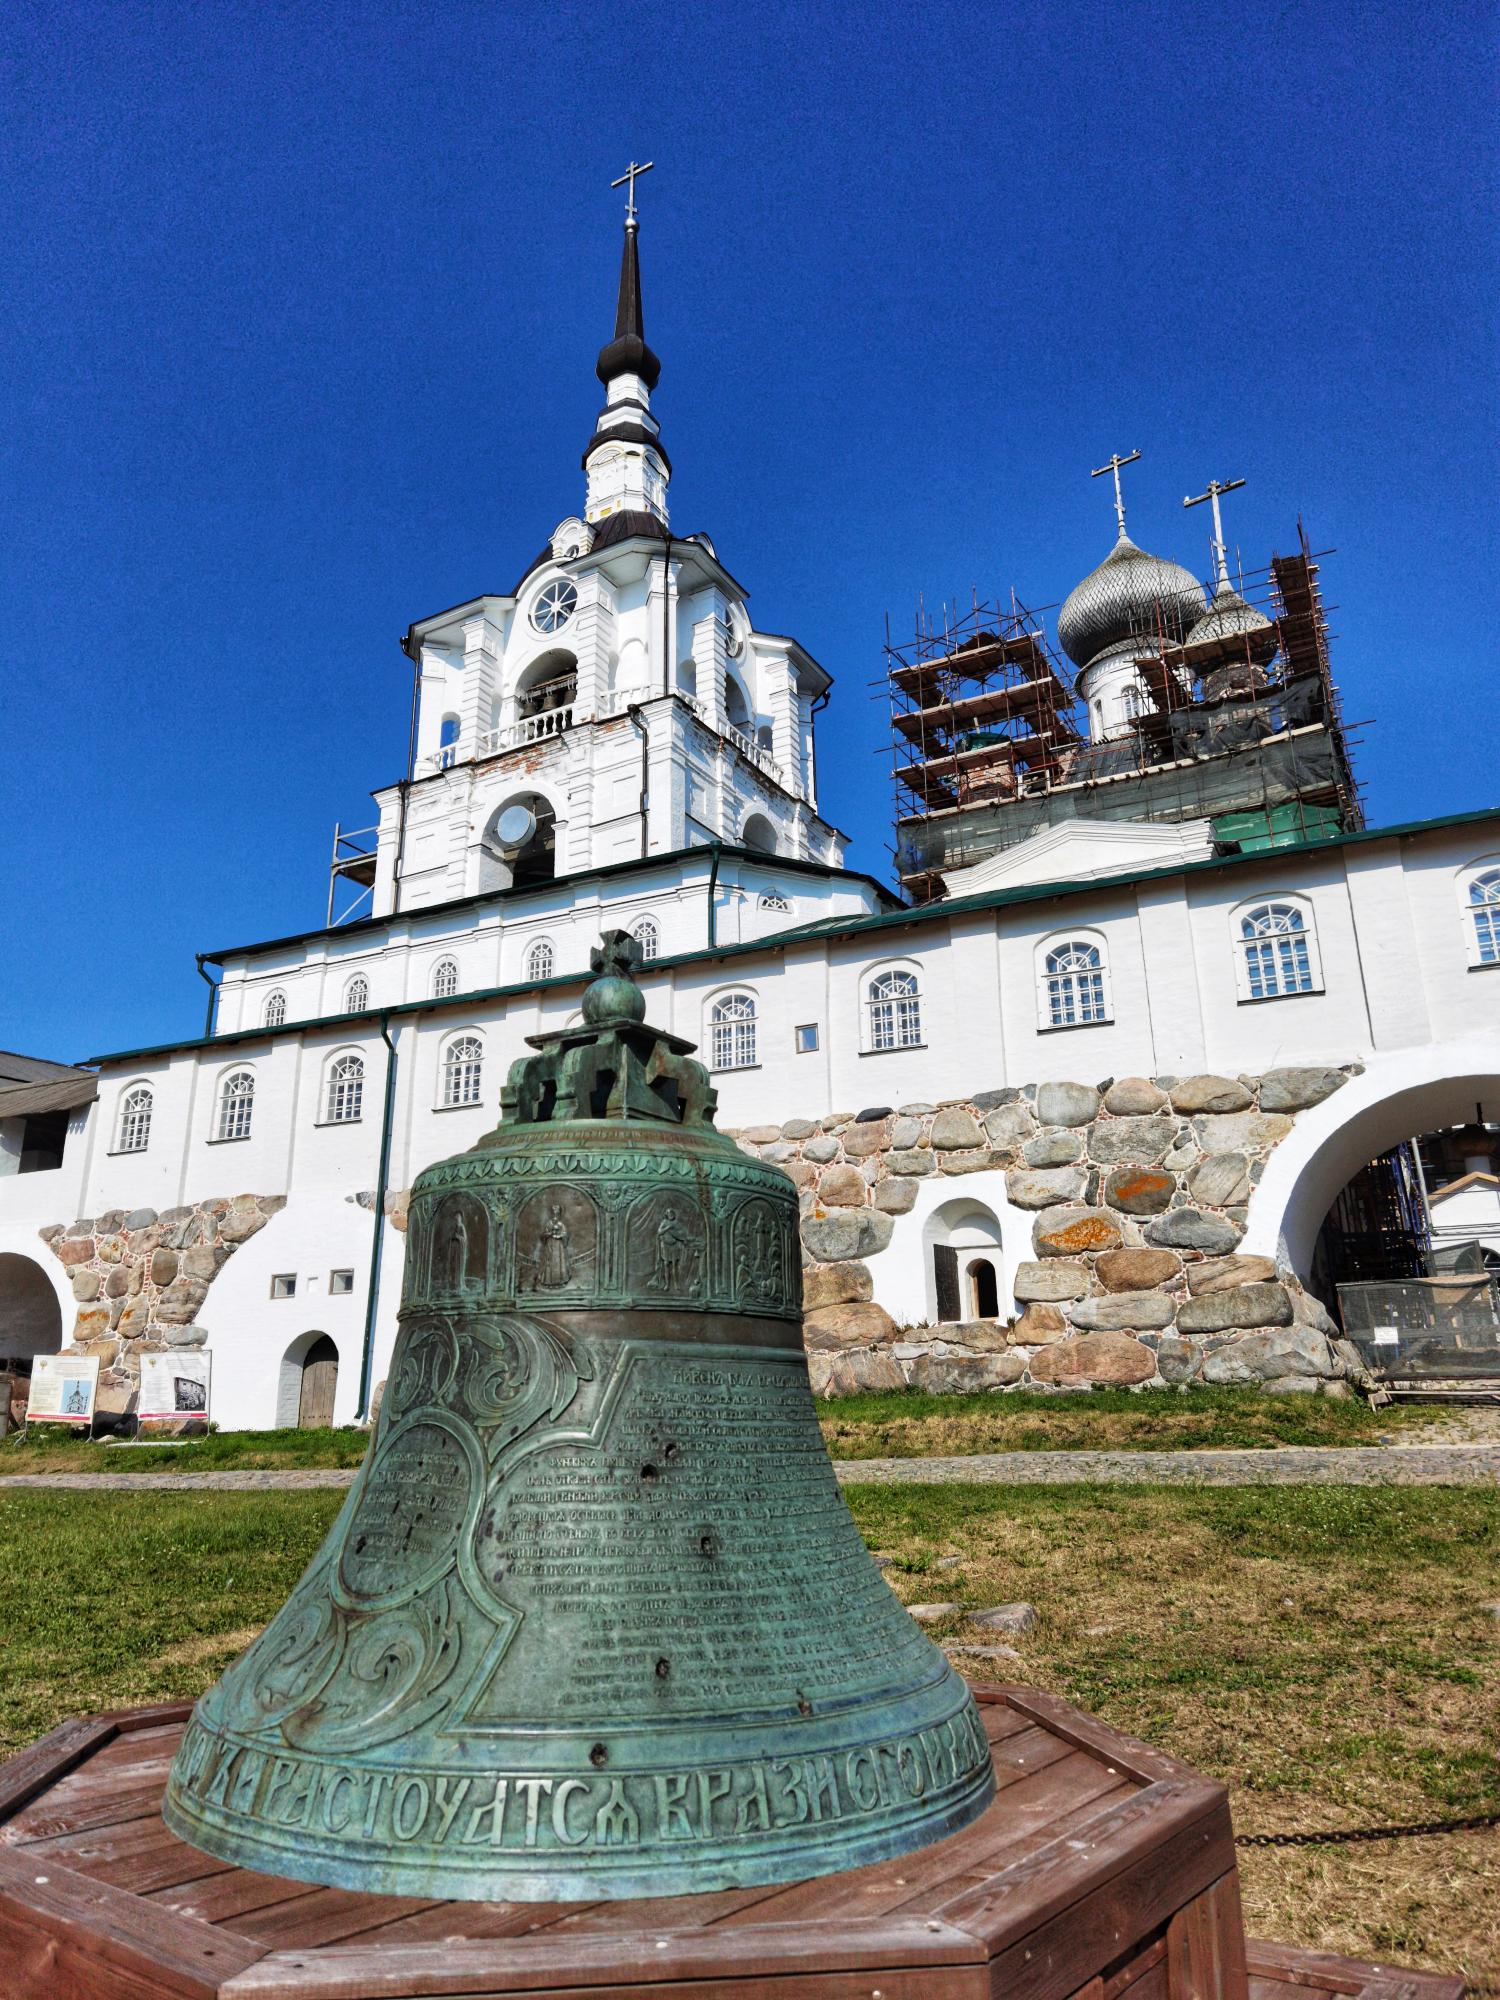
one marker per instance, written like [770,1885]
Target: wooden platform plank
[1313,1973]
[481,1920]
[921,1982]
[628,1961]
[224,1899]
[95,1933]
[328,1916]
[45,1762]
[922,1883]
[55,1816]
[1206,1943]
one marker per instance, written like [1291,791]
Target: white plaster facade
[1398,989]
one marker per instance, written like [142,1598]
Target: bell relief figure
[676,1255]
[554,1262]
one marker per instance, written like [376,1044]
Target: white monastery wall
[1395,992]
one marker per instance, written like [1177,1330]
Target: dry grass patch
[1325,1651]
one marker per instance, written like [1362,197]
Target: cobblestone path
[1283,1465]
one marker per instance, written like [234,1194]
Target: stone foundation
[1139,1187]
[141,1277]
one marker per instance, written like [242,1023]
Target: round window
[555,606]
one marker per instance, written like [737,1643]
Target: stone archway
[1394,1098]
[30,1324]
[30,1317]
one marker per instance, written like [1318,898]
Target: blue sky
[304,307]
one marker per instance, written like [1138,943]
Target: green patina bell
[595,1620]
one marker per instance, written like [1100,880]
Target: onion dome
[1230,617]
[1130,596]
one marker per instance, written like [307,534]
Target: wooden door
[320,1374]
[945,1271]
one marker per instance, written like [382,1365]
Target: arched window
[134,1133]
[236,1103]
[1276,951]
[345,1095]
[1073,985]
[275,1009]
[647,935]
[1132,704]
[894,1003]
[463,1067]
[772,899]
[445,979]
[357,994]
[541,959]
[731,1032]
[1484,904]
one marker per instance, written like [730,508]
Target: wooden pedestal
[1102,1870]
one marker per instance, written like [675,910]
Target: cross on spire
[1211,493]
[1113,464]
[627,180]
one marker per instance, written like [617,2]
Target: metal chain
[1469,1825]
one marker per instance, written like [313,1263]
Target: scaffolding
[989,742]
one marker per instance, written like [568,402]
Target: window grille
[236,1103]
[895,1006]
[275,1011]
[346,1090]
[1484,904]
[731,1026]
[444,979]
[135,1120]
[1073,984]
[541,959]
[1274,939]
[463,1066]
[774,900]
[647,935]
[357,994]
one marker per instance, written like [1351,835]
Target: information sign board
[174,1387]
[63,1388]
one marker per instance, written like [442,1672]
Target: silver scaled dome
[1230,617]
[1130,596]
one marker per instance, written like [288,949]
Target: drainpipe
[378,1243]
[213,995]
[413,651]
[820,702]
[633,710]
[713,897]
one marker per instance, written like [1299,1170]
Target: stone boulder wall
[141,1279]
[1137,1189]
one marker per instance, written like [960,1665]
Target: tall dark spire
[627,353]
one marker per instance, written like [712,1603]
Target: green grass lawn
[905,1424]
[1324,1650]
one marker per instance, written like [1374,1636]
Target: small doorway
[984,1292]
[320,1374]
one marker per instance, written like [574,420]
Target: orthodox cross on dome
[627,180]
[1211,493]
[1113,464]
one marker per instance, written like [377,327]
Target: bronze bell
[594,1620]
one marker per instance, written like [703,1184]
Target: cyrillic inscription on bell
[595,1620]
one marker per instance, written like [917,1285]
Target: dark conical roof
[627,353]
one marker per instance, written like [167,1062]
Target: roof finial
[628,353]
[1113,464]
[1211,493]
[627,180]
